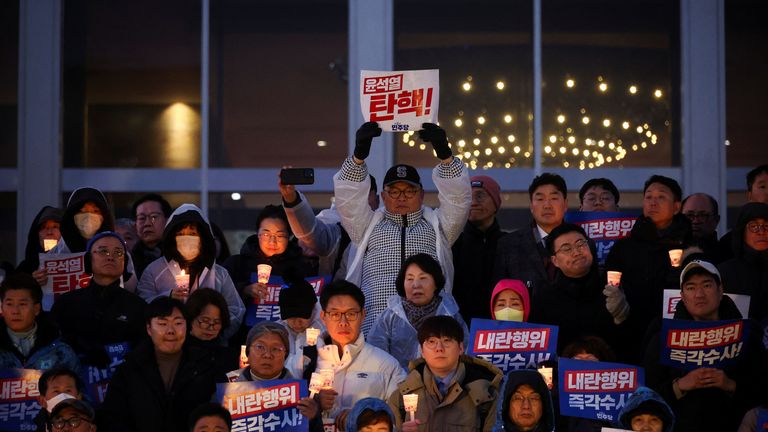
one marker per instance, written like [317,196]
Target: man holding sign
[404,226]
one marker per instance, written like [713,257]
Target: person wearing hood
[102,313]
[299,310]
[370,415]
[189,247]
[747,272]
[44,234]
[526,404]
[575,301]
[510,301]
[693,395]
[87,213]
[646,411]
[420,295]
[643,259]
[454,390]
[273,244]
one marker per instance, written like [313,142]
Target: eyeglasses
[152,218]
[433,342]
[117,253]
[261,350]
[532,398]
[273,237]
[704,216]
[755,227]
[596,198]
[395,193]
[208,323]
[350,316]
[578,245]
[72,422]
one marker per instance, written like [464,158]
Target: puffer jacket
[393,333]
[513,380]
[372,404]
[468,404]
[49,351]
[644,396]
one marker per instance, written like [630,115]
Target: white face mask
[52,402]
[509,314]
[188,246]
[88,224]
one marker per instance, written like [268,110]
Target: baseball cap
[404,173]
[78,405]
[707,266]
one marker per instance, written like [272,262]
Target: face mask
[509,314]
[188,246]
[88,224]
[52,402]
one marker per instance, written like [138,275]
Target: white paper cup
[546,373]
[182,281]
[410,402]
[312,334]
[243,356]
[674,257]
[49,244]
[263,271]
[327,375]
[614,277]
[316,383]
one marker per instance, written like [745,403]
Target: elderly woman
[526,404]
[510,301]
[646,411]
[419,287]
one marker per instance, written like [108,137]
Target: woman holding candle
[419,286]
[188,246]
[43,235]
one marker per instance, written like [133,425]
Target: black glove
[434,134]
[364,137]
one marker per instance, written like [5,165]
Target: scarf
[417,314]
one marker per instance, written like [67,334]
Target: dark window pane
[9,72]
[131,84]
[278,83]
[8,228]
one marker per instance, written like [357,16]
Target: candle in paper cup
[312,334]
[674,257]
[410,403]
[614,277]
[315,384]
[546,373]
[182,281]
[263,271]
[327,375]
[243,356]
[49,244]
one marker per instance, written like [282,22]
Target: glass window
[746,48]
[9,72]
[610,83]
[131,83]
[8,229]
[483,51]
[278,83]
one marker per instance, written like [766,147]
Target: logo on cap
[402,171]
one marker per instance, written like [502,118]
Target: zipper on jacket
[402,238]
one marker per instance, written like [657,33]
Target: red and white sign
[400,101]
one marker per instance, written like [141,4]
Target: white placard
[400,101]
[672,296]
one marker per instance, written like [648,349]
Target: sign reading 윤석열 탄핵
[400,101]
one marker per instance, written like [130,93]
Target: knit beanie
[490,186]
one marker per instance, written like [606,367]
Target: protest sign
[511,345]
[596,390]
[66,272]
[18,399]
[604,228]
[264,405]
[762,420]
[400,101]
[97,379]
[690,345]
[672,296]
[268,309]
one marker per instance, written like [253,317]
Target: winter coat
[246,375]
[362,371]
[31,260]
[513,380]
[469,402]
[138,401]
[393,333]
[474,254]
[373,404]
[296,362]
[159,278]
[747,272]
[644,396]
[92,317]
[694,409]
[71,240]
[48,352]
[520,255]
[144,256]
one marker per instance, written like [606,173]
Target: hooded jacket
[469,402]
[372,404]
[513,380]
[31,253]
[159,278]
[516,286]
[747,272]
[648,400]
[393,333]
[71,239]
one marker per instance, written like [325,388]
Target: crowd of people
[406,282]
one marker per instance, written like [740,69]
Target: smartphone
[297,176]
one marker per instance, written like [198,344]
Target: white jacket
[296,361]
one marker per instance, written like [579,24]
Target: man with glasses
[404,226]
[527,403]
[73,415]
[455,391]
[703,212]
[360,370]
[151,212]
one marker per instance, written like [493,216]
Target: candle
[263,271]
[546,373]
[312,334]
[674,257]
[49,244]
[315,384]
[182,282]
[327,375]
[614,277]
[411,402]
[243,356]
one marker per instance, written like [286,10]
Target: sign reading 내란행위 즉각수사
[604,228]
[512,345]
[18,399]
[400,101]
[264,405]
[268,309]
[691,345]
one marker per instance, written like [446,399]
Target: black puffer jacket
[747,272]
[31,253]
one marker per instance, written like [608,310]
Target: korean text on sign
[693,344]
[400,101]
[268,309]
[66,272]
[264,406]
[18,399]
[511,345]
[604,228]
